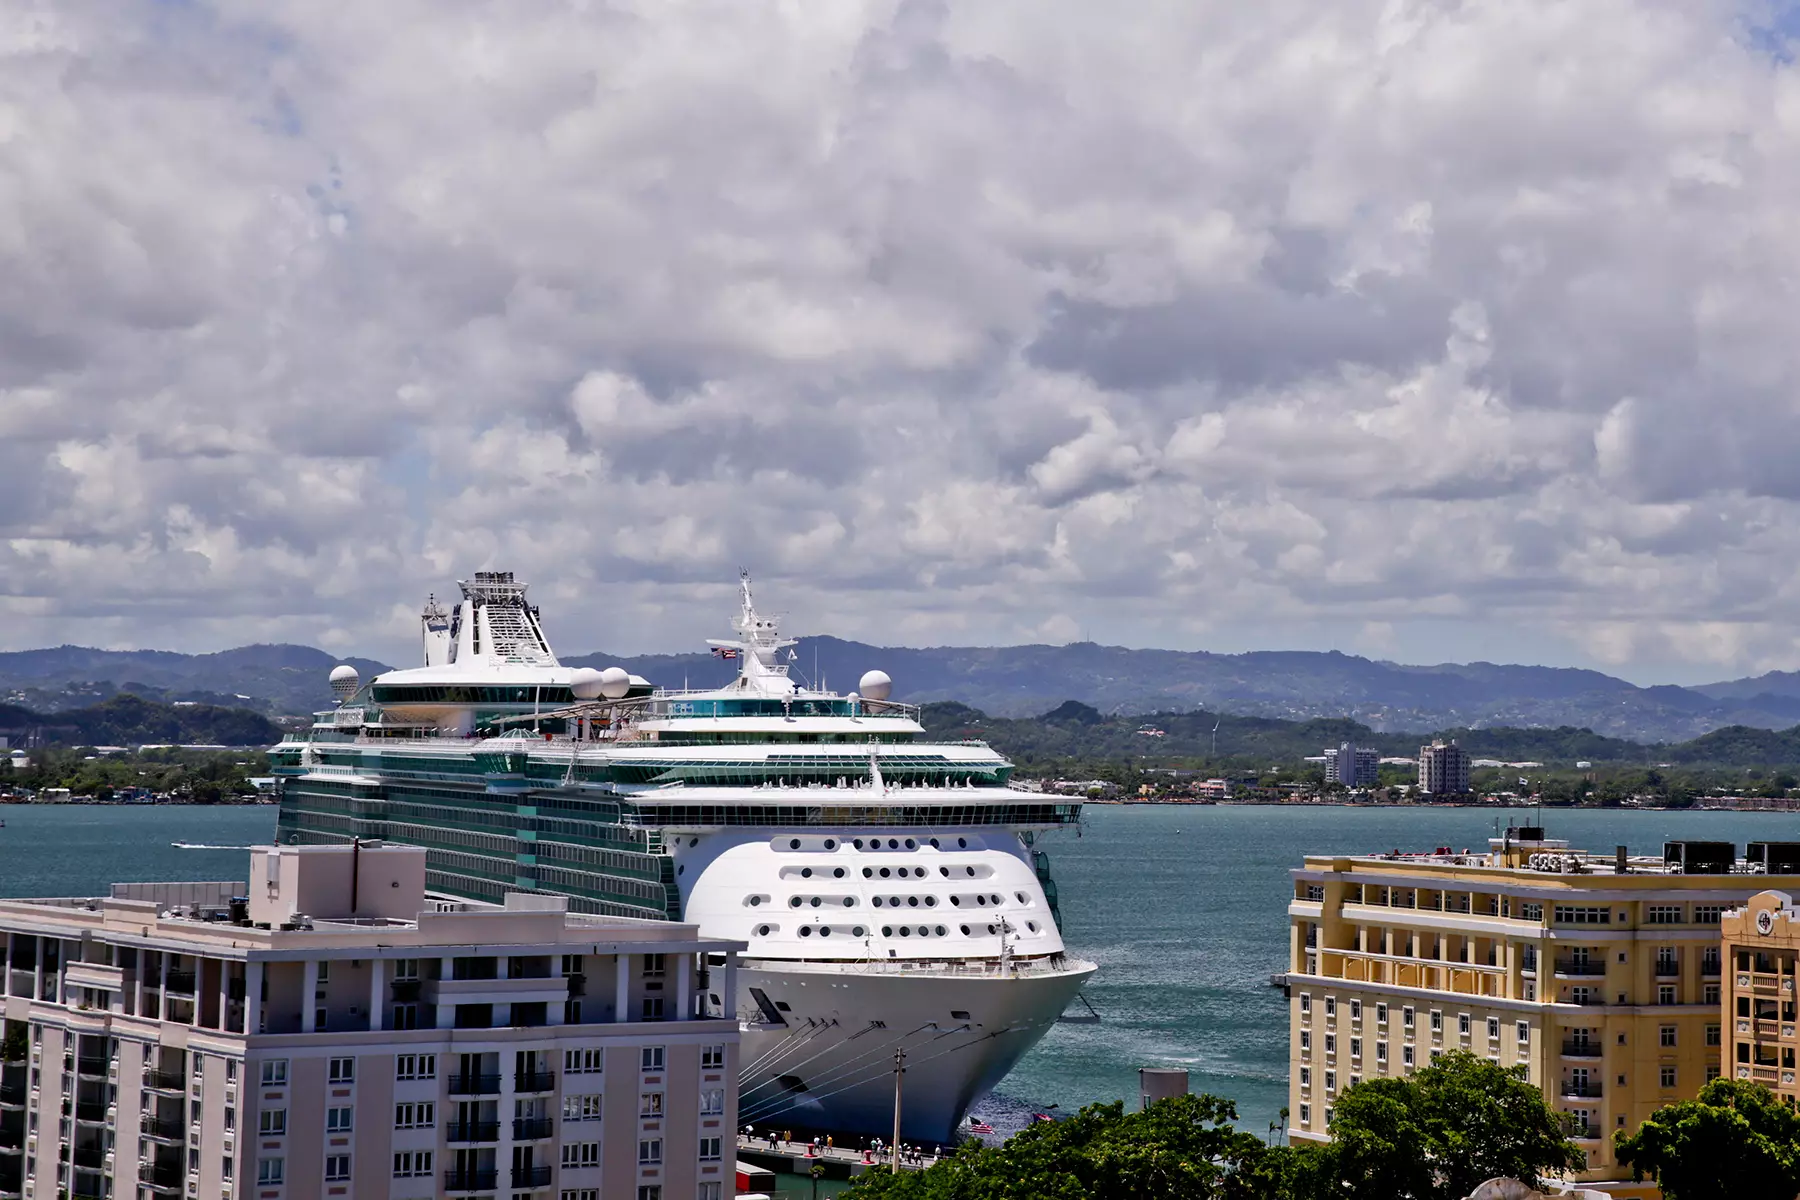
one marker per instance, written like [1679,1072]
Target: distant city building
[1599,976]
[336,1034]
[1443,769]
[1213,789]
[1352,766]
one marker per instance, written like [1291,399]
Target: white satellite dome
[614,683]
[344,681]
[586,683]
[875,685]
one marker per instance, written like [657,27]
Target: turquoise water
[1184,908]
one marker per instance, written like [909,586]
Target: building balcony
[406,990]
[164,1177]
[534,1081]
[476,1179]
[475,1085]
[93,1157]
[165,1081]
[1709,970]
[12,1137]
[12,1093]
[577,983]
[164,1129]
[1581,1089]
[1580,968]
[91,1111]
[181,981]
[472,1131]
[533,1129]
[93,1066]
[1668,970]
[531,1177]
[1581,1049]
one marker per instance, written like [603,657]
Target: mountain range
[1015,681]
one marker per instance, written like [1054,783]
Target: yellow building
[1600,975]
[1760,941]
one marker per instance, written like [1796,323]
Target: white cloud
[1417,320]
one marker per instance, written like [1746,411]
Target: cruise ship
[888,885]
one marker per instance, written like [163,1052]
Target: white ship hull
[831,1065]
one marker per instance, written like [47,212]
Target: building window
[1331,1043]
[1463,1024]
[1355,1047]
[1665,993]
[1523,1032]
[649,1152]
[415,1066]
[1306,1041]
[341,1070]
[712,1058]
[1437,1021]
[337,1120]
[1331,1006]
[415,1116]
[274,1072]
[581,1108]
[271,1170]
[709,1149]
[579,1194]
[1406,1055]
[713,1190]
[1666,1035]
[653,1008]
[337,1168]
[1406,1017]
[412,1164]
[649,1191]
[1708,914]
[580,1154]
[650,1104]
[1582,914]
[1709,994]
[1381,1013]
[1712,1035]
[583,1062]
[1305,1002]
[651,1058]
[1530,910]
[1493,1029]
[1662,914]
[712,1102]
[1356,1010]
[272,1122]
[1668,1077]
[231,1070]
[1331,1081]
[1305,1076]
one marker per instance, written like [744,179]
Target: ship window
[1031,925]
[913,901]
[831,843]
[944,871]
[849,901]
[762,931]
[806,872]
[794,844]
[934,843]
[884,872]
[806,931]
[963,843]
[965,930]
[887,931]
[940,931]
[868,873]
[970,871]
[911,845]
[793,902]
[919,871]
[858,931]
[931,902]
[755,900]
[693,841]
[991,929]
[877,902]
[816,901]
[824,931]
[893,843]
[1021,896]
[956,901]
[906,931]
[838,873]
[857,843]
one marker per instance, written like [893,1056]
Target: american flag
[726,652]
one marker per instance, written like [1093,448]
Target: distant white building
[1352,766]
[1444,769]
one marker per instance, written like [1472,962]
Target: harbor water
[1184,908]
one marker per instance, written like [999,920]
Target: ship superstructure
[887,883]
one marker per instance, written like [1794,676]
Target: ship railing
[985,968]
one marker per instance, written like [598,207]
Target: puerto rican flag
[725,652]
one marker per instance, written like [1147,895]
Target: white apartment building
[1444,769]
[327,1031]
[1352,765]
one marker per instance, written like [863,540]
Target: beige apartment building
[1599,975]
[1760,942]
[325,1030]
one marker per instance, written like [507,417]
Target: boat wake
[206,846]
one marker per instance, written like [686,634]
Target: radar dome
[344,681]
[614,683]
[586,683]
[875,685]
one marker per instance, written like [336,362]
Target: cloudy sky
[1414,328]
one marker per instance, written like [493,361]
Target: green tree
[1184,1148]
[1438,1135]
[1735,1139]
